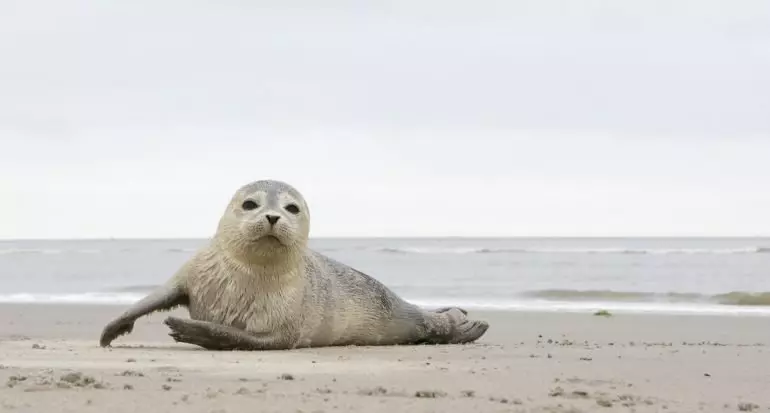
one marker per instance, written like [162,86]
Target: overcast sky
[400,118]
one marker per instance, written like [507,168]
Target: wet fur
[266,292]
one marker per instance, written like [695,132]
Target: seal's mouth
[270,238]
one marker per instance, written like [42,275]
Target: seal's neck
[267,263]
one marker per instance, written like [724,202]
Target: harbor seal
[258,286]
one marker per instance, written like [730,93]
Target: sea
[728,276]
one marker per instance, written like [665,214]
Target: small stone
[166,387]
[72,378]
[131,360]
[287,376]
[128,387]
[468,393]
[603,402]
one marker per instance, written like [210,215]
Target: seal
[257,285]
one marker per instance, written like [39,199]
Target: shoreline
[111,300]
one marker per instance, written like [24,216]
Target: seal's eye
[249,205]
[292,208]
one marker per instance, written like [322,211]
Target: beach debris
[242,391]
[603,313]
[556,392]
[131,373]
[286,376]
[429,394]
[468,393]
[128,387]
[165,387]
[14,380]
[505,400]
[377,391]
[130,360]
[580,393]
[38,346]
[77,379]
[747,407]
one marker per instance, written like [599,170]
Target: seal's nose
[272,219]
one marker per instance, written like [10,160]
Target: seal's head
[265,219]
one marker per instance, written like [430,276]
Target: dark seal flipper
[165,298]
[212,336]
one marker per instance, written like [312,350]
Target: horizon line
[433,237]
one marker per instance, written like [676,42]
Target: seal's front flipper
[165,298]
[213,336]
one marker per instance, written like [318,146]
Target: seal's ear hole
[293,208]
[249,205]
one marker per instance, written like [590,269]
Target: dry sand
[527,362]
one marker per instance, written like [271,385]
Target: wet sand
[527,362]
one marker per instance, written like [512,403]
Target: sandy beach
[527,362]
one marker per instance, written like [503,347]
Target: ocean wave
[141,288]
[9,251]
[734,298]
[77,298]
[640,251]
[12,251]
[592,306]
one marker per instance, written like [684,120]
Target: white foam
[101,298]
[614,250]
[9,251]
[78,298]
[618,307]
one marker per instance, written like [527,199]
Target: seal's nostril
[272,219]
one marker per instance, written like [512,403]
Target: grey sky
[412,117]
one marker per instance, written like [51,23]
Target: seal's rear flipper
[456,328]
